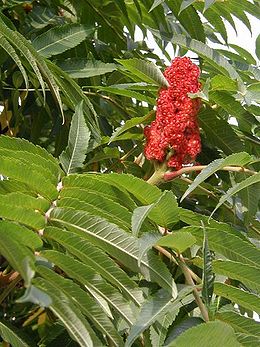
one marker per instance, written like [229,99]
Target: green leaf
[84,68]
[210,55]
[178,241]
[61,38]
[74,155]
[244,53]
[21,234]
[255,179]
[145,70]
[164,212]
[146,242]
[220,82]
[10,50]
[155,4]
[219,132]
[185,4]
[238,322]
[247,274]
[97,287]
[20,257]
[83,301]
[73,95]
[116,242]
[31,153]
[228,244]
[248,340]
[97,260]
[68,313]
[189,19]
[208,3]
[14,336]
[130,123]
[212,334]
[238,159]
[257,47]
[208,276]
[154,309]
[247,300]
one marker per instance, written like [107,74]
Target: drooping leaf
[154,309]
[61,38]
[84,68]
[68,313]
[237,159]
[84,302]
[116,242]
[247,274]
[13,336]
[155,4]
[185,4]
[73,156]
[252,180]
[227,243]
[247,300]
[97,260]
[145,70]
[238,322]
[19,256]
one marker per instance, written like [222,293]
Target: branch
[190,282]
[168,176]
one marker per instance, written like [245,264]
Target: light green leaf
[247,300]
[255,179]
[13,336]
[84,302]
[212,334]
[155,4]
[228,244]
[145,70]
[21,234]
[247,274]
[61,38]
[84,68]
[185,4]
[244,53]
[178,241]
[238,322]
[238,159]
[248,340]
[97,287]
[130,123]
[68,313]
[10,50]
[257,47]
[97,260]
[220,82]
[19,256]
[164,212]
[208,3]
[146,242]
[74,155]
[116,242]
[154,309]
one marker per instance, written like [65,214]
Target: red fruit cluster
[175,127]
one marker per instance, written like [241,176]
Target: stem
[171,175]
[190,282]
[10,287]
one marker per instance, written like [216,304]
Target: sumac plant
[129,185]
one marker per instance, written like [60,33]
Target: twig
[173,174]
[190,282]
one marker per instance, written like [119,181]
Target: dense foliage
[100,246]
